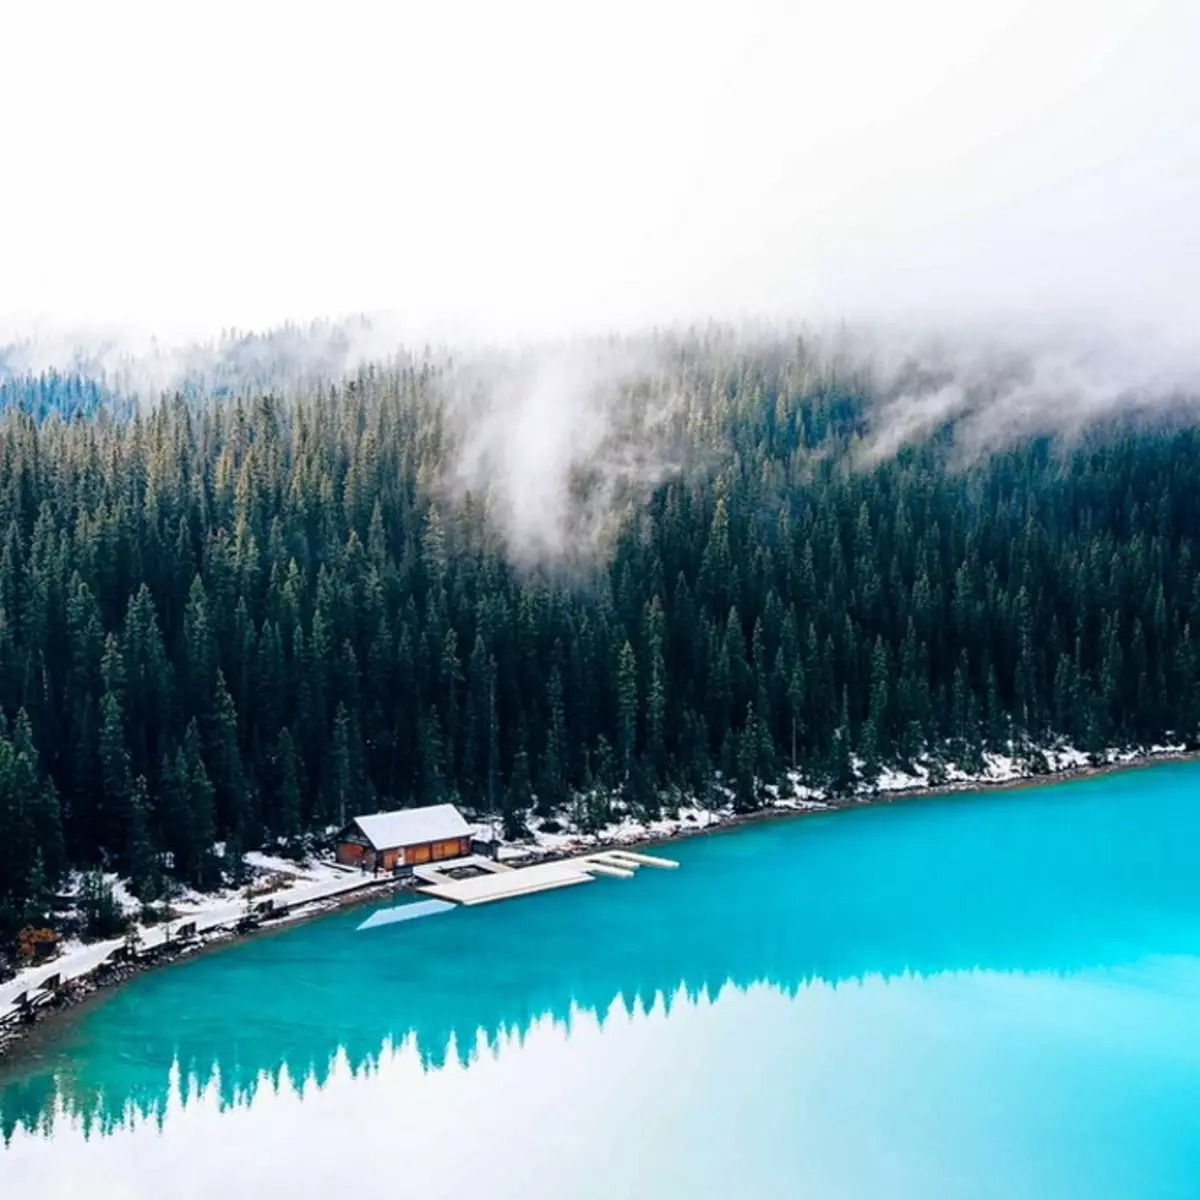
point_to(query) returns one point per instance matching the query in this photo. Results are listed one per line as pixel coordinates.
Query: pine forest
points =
(234, 620)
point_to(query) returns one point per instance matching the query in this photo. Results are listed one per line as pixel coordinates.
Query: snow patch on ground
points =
(128, 902)
(297, 880)
(795, 793)
(311, 882)
(625, 829)
(312, 869)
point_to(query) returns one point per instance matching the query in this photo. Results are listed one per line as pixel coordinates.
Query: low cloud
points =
(557, 439)
(999, 386)
(144, 366)
(561, 439)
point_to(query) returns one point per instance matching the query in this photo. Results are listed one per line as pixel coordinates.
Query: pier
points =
(491, 881)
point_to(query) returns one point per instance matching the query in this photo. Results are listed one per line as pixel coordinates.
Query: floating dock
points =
(642, 860)
(500, 882)
(482, 889)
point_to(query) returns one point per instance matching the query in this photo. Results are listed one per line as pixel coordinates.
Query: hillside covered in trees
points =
(238, 620)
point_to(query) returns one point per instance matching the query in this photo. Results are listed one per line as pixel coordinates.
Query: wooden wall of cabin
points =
(350, 854)
(427, 852)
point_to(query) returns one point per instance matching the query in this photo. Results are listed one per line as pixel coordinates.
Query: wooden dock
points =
(643, 860)
(501, 882)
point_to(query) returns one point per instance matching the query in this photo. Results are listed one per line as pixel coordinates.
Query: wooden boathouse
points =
(407, 837)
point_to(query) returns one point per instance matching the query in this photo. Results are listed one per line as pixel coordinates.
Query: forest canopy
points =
(237, 619)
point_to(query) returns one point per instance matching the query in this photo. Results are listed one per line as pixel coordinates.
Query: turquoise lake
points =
(994, 995)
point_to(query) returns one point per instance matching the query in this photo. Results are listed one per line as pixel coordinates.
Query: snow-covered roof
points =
(412, 826)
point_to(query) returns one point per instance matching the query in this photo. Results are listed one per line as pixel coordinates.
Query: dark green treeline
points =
(241, 620)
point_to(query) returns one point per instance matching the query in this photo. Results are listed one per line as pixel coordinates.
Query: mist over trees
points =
(243, 619)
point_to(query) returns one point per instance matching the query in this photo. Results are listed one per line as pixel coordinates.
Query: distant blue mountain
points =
(88, 376)
(68, 395)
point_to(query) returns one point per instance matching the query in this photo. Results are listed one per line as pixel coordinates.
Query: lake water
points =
(987, 996)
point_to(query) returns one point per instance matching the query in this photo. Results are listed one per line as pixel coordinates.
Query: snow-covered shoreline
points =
(319, 884)
(1000, 771)
(311, 883)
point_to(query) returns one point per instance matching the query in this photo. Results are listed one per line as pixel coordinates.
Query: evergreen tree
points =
(141, 860)
(102, 914)
(519, 798)
(627, 708)
(746, 792)
(199, 864)
(841, 765)
(39, 896)
(290, 804)
(553, 790)
(114, 780)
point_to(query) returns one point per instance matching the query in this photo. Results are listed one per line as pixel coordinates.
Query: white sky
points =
(520, 166)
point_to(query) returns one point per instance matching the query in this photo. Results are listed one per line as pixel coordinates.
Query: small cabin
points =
(408, 837)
